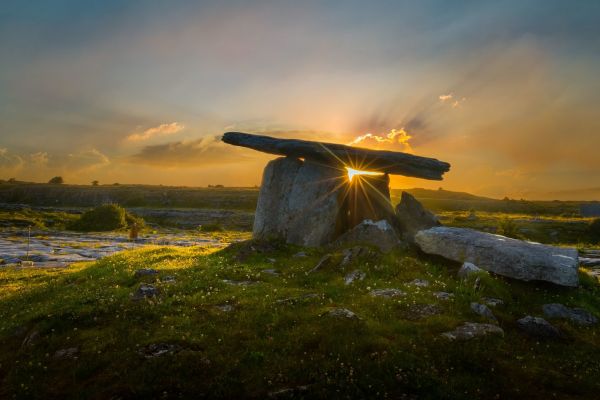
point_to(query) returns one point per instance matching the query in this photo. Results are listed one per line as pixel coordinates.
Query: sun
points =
(352, 172)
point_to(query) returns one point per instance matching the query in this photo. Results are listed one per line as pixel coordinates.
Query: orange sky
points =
(506, 92)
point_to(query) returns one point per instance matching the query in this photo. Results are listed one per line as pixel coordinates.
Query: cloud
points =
(39, 158)
(445, 97)
(397, 139)
(194, 153)
(86, 160)
(10, 161)
(160, 130)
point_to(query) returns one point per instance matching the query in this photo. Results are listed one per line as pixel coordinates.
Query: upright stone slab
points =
(300, 202)
(271, 218)
(315, 212)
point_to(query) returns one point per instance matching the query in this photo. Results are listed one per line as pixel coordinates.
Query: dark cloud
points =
(194, 153)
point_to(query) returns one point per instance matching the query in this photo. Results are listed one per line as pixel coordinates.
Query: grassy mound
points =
(107, 217)
(225, 325)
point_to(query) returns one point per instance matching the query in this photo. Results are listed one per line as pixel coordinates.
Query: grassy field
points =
(272, 338)
(225, 325)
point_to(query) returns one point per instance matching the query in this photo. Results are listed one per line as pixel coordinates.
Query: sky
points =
(508, 92)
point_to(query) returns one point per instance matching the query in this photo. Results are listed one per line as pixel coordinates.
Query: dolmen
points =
(318, 194)
(312, 196)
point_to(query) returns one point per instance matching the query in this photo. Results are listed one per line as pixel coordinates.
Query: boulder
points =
(538, 327)
(504, 256)
(470, 330)
(145, 291)
(483, 310)
(379, 234)
(300, 203)
(342, 313)
(412, 217)
(353, 276)
(576, 315)
(387, 293)
(467, 269)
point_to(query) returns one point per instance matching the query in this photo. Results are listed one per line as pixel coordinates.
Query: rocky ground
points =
(61, 248)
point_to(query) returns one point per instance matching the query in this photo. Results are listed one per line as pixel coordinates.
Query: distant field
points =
(245, 198)
(53, 206)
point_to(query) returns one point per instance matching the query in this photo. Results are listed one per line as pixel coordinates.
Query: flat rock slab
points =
(391, 162)
(576, 315)
(501, 255)
(470, 330)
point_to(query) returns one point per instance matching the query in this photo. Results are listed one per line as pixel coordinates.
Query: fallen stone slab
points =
(576, 315)
(538, 327)
(513, 258)
(391, 162)
(470, 330)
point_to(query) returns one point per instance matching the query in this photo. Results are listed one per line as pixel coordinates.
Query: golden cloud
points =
(160, 130)
(396, 139)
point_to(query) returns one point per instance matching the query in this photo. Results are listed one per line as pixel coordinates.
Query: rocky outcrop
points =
(504, 256)
(379, 234)
(576, 315)
(470, 330)
(412, 217)
(538, 327)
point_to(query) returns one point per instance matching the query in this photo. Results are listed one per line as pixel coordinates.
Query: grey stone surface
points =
(483, 310)
(470, 330)
(145, 272)
(443, 295)
(145, 291)
(419, 282)
(492, 302)
(538, 327)
(300, 203)
(354, 276)
(342, 313)
(375, 233)
(576, 315)
(467, 269)
(413, 217)
(387, 293)
(504, 256)
(70, 352)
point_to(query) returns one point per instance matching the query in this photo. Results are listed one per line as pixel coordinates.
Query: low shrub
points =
(211, 228)
(107, 217)
(594, 228)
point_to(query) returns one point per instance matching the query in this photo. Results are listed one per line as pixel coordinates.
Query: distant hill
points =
(439, 194)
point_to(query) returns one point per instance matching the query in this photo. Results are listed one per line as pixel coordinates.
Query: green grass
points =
(263, 346)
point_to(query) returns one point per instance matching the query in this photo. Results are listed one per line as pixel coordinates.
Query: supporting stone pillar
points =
(301, 202)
